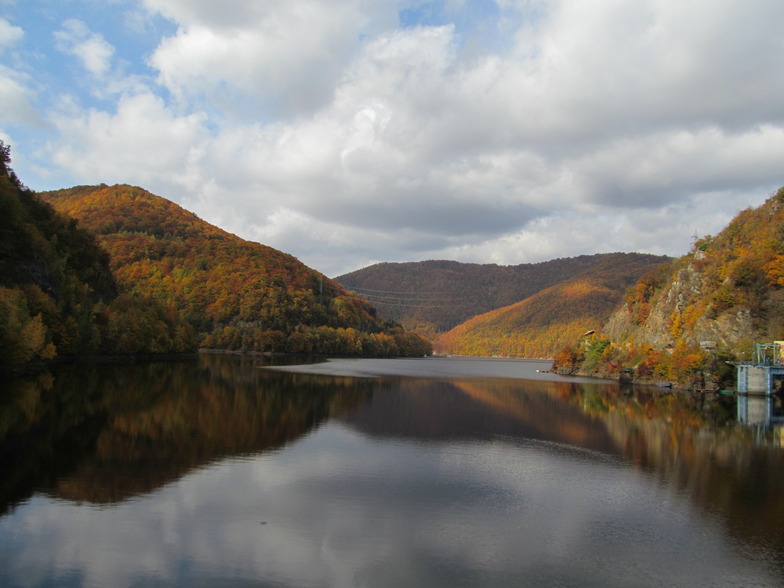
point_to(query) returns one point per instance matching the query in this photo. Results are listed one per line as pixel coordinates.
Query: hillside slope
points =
(435, 296)
(726, 293)
(728, 289)
(237, 294)
(557, 316)
(58, 296)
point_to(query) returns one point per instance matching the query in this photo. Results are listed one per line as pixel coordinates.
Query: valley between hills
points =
(118, 270)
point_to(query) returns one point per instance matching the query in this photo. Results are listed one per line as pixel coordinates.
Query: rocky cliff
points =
(729, 289)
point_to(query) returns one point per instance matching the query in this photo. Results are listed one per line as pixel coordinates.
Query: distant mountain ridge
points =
(236, 294)
(434, 296)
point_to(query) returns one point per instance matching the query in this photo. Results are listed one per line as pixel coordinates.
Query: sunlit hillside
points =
(729, 287)
(543, 323)
(686, 320)
(236, 294)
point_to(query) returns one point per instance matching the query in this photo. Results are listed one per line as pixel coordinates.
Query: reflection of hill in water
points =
(692, 445)
(108, 433)
(131, 429)
(476, 409)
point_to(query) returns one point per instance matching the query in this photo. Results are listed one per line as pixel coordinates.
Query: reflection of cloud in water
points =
(339, 509)
(434, 367)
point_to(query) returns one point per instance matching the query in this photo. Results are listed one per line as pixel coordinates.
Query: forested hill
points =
(236, 294)
(685, 321)
(728, 289)
(435, 296)
(57, 294)
(552, 318)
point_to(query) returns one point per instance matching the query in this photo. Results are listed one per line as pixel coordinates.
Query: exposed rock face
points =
(727, 330)
(681, 309)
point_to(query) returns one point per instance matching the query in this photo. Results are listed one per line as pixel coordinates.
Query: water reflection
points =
(220, 472)
(480, 409)
(761, 410)
(112, 432)
(691, 444)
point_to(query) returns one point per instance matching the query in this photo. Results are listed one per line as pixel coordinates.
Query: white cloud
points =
(262, 58)
(9, 34)
(614, 67)
(16, 97)
(142, 142)
(331, 132)
(94, 52)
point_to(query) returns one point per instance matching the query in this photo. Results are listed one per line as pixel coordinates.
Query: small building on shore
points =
(764, 375)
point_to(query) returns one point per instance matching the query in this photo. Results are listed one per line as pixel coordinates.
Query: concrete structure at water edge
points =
(764, 375)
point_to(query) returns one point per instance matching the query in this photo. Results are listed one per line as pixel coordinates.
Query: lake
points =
(246, 471)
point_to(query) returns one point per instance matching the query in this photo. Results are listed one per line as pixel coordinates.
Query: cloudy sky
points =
(348, 132)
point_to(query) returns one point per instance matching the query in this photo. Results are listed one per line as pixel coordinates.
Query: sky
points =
(352, 132)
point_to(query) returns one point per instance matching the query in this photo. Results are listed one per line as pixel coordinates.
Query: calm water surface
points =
(229, 471)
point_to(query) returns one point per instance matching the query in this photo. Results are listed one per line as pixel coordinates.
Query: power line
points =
(397, 294)
(381, 291)
(401, 304)
(413, 302)
(405, 299)
(402, 299)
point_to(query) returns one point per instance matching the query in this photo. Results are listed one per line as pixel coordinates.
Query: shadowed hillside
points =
(58, 296)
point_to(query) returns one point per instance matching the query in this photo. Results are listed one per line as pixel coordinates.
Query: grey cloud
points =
(637, 64)
(653, 171)
(230, 14)
(429, 211)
